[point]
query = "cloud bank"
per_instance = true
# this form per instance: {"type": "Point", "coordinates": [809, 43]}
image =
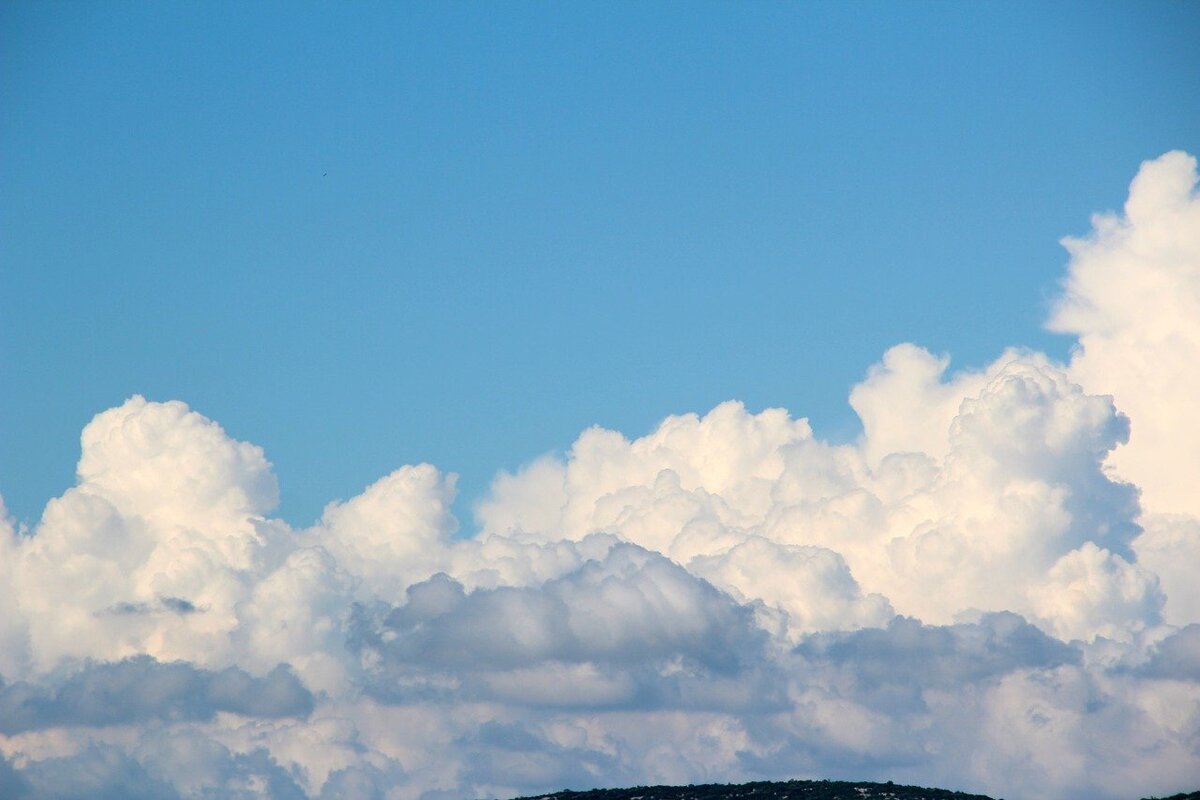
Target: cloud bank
{"type": "Point", "coordinates": [994, 588]}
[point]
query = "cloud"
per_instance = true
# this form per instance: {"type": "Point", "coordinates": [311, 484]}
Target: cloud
{"type": "Point", "coordinates": [630, 630]}
{"type": "Point", "coordinates": [141, 689]}
{"type": "Point", "coordinates": [1017, 486]}
{"type": "Point", "coordinates": [1169, 548]}
{"type": "Point", "coordinates": [909, 658]}
{"type": "Point", "coordinates": [1177, 657]}
{"type": "Point", "coordinates": [993, 588]}
{"type": "Point", "coordinates": [387, 535]}
{"type": "Point", "coordinates": [812, 586]}
{"type": "Point", "coordinates": [1132, 297]}
{"type": "Point", "coordinates": [173, 768]}
{"type": "Point", "coordinates": [100, 773]}
{"type": "Point", "coordinates": [154, 548]}
{"type": "Point", "coordinates": [165, 462]}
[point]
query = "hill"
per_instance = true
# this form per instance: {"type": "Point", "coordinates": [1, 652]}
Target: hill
{"type": "Point", "coordinates": [783, 790]}
{"type": "Point", "coordinates": [767, 790]}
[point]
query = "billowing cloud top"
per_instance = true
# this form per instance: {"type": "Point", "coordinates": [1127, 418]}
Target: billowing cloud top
{"type": "Point", "coordinates": [994, 588]}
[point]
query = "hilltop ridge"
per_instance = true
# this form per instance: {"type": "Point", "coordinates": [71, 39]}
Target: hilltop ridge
{"type": "Point", "coordinates": [768, 790]}
{"type": "Point", "coordinates": [784, 790]}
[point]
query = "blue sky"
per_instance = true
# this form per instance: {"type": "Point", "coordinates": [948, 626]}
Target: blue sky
{"type": "Point", "coordinates": [390, 233]}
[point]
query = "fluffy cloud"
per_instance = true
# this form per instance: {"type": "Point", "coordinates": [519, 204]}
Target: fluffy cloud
{"type": "Point", "coordinates": [1015, 497]}
{"type": "Point", "coordinates": [1132, 296]}
{"type": "Point", "coordinates": [631, 606]}
{"type": "Point", "coordinates": [140, 689]}
{"type": "Point", "coordinates": [993, 588]}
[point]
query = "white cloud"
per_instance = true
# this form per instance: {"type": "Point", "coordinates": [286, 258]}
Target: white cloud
{"type": "Point", "coordinates": [391, 534]}
{"type": "Point", "coordinates": [715, 600]}
{"type": "Point", "coordinates": [1132, 296]}
{"type": "Point", "coordinates": [1169, 548]}
{"type": "Point", "coordinates": [164, 462]}
{"type": "Point", "coordinates": [811, 585]}
{"type": "Point", "coordinates": [1015, 485]}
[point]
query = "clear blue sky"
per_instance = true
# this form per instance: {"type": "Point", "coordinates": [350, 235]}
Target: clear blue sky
{"type": "Point", "coordinates": [369, 235]}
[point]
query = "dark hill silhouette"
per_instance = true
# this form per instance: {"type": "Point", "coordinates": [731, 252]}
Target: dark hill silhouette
{"type": "Point", "coordinates": [783, 790]}
{"type": "Point", "coordinates": [767, 790]}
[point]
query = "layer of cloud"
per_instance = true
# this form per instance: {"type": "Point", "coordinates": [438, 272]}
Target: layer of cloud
{"type": "Point", "coordinates": [141, 689]}
{"type": "Point", "coordinates": [994, 588]}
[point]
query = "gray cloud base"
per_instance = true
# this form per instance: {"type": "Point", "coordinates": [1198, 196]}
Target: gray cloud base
{"type": "Point", "coordinates": [141, 689]}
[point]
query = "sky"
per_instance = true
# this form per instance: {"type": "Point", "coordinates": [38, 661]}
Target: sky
{"type": "Point", "coordinates": [387, 235]}
{"type": "Point", "coordinates": [441, 401]}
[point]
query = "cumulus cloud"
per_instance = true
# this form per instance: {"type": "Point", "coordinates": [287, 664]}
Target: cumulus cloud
{"type": "Point", "coordinates": [1132, 297]}
{"type": "Point", "coordinates": [900, 662]}
{"type": "Point", "coordinates": [993, 588]}
{"type": "Point", "coordinates": [140, 689]}
{"type": "Point", "coordinates": [108, 773]}
{"type": "Point", "coordinates": [1169, 548]}
{"type": "Point", "coordinates": [1018, 486]}
{"type": "Point", "coordinates": [811, 586]}
{"type": "Point", "coordinates": [168, 769]}
{"type": "Point", "coordinates": [632, 606]}
{"type": "Point", "coordinates": [630, 630]}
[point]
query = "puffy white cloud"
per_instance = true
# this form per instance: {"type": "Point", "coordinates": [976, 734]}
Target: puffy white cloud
{"type": "Point", "coordinates": [296, 614]}
{"type": "Point", "coordinates": [1016, 484]}
{"type": "Point", "coordinates": [164, 462]}
{"type": "Point", "coordinates": [155, 547]}
{"type": "Point", "coordinates": [715, 600]}
{"type": "Point", "coordinates": [734, 457]}
{"type": "Point", "coordinates": [906, 405]}
{"type": "Point", "coordinates": [1092, 592]}
{"type": "Point", "coordinates": [811, 585]}
{"type": "Point", "coordinates": [14, 636]}
{"type": "Point", "coordinates": [1169, 548]}
{"type": "Point", "coordinates": [1132, 296]}
{"type": "Point", "coordinates": [392, 531]}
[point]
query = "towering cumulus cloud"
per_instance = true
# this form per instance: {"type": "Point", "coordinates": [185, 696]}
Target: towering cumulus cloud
{"type": "Point", "coordinates": [1132, 296]}
{"type": "Point", "coordinates": [994, 588]}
